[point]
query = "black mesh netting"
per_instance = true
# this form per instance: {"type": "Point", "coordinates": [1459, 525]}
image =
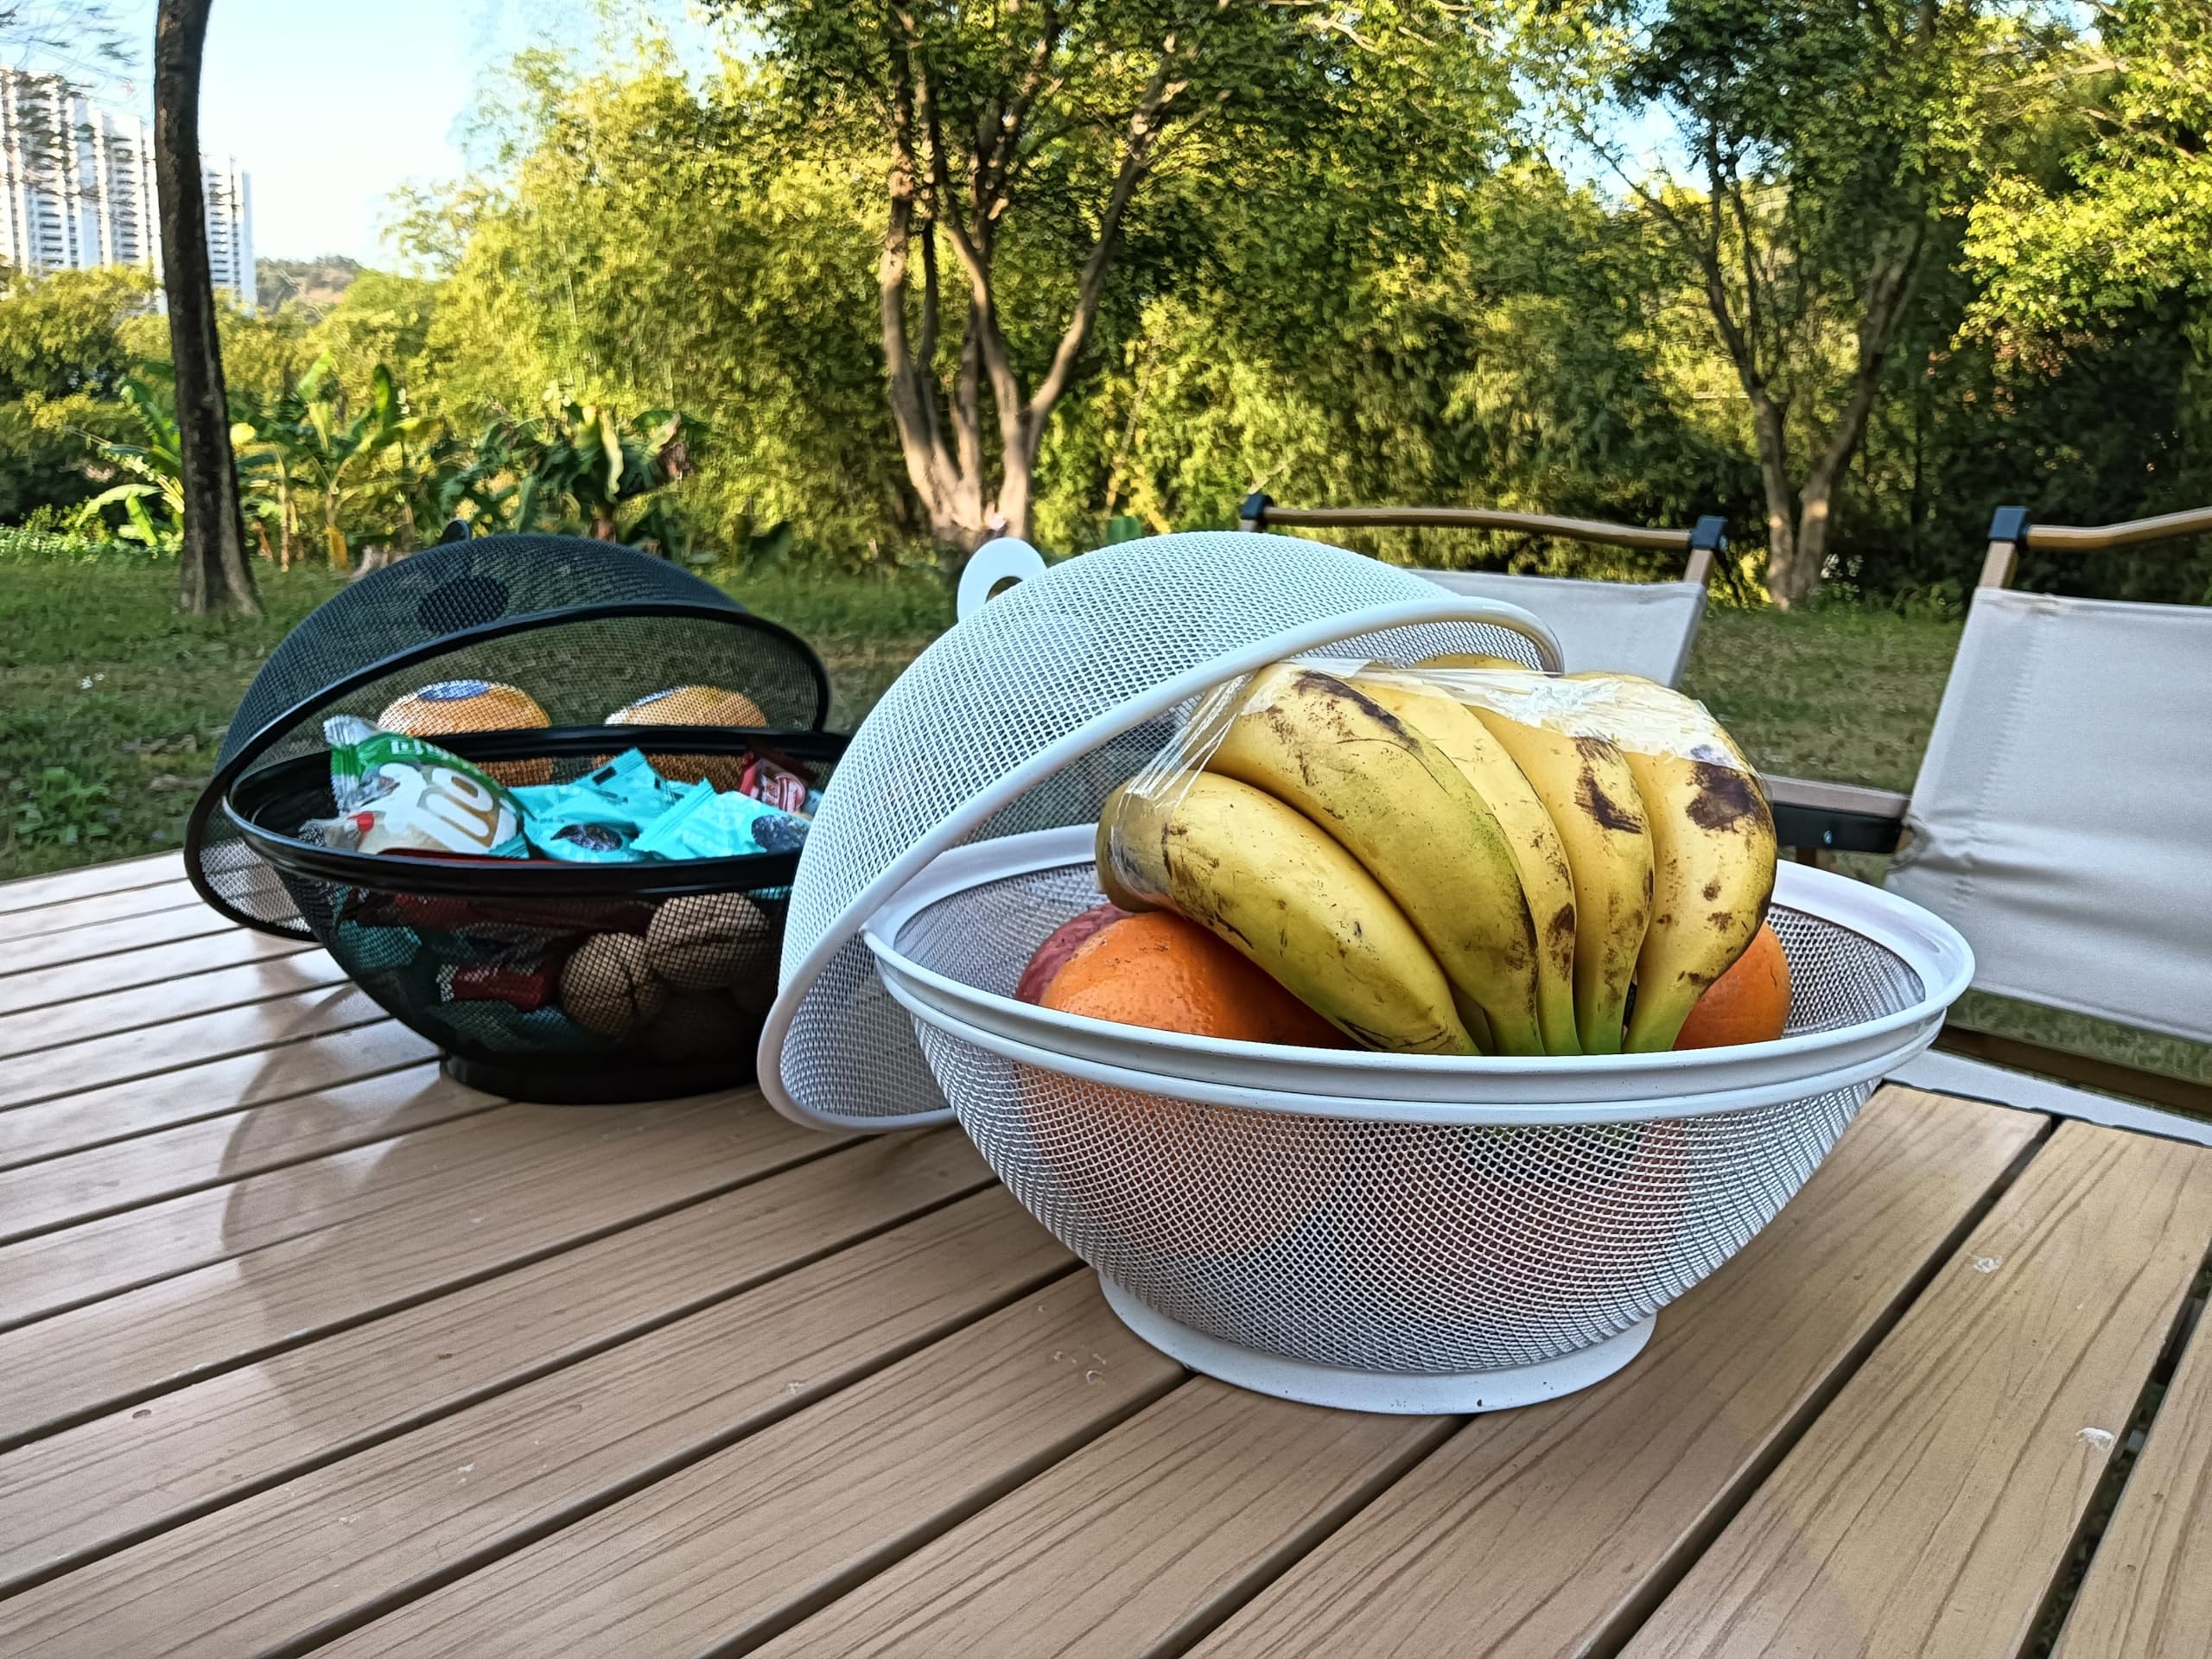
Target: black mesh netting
{"type": "Point", "coordinates": [602, 972]}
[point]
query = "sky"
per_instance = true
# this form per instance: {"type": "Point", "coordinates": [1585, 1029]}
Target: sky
{"type": "Point", "coordinates": [331, 105]}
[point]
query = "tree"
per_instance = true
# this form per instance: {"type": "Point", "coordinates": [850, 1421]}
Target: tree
{"type": "Point", "coordinates": [1809, 149]}
{"type": "Point", "coordinates": [1019, 146]}
{"type": "Point", "coordinates": [2129, 222]}
{"type": "Point", "coordinates": [157, 474]}
{"type": "Point", "coordinates": [213, 574]}
{"type": "Point", "coordinates": [63, 360]}
{"type": "Point", "coordinates": [588, 455]}
{"type": "Point", "coordinates": [335, 450]}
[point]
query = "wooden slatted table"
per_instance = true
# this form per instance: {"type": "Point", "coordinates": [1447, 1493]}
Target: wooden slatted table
{"type": "Point", "coordinates": [304, 1349]}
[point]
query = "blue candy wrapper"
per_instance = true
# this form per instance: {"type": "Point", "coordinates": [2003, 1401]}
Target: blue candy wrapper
{"type": "Point", "coordinates": [597, 818]}
{"type": "Point", "coordinates": [705, 824]}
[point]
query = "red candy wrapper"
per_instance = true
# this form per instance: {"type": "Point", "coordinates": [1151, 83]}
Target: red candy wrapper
{"type": "Point", "coordinates": [523, 986]}
{"type": "Point", "coordinates": [772, 785]}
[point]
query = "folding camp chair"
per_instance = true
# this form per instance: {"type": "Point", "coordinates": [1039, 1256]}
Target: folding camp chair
{"type": "Point", "coordinates": [2060, 823]}
{"type": "Point", "coordinates": [1643, 628]}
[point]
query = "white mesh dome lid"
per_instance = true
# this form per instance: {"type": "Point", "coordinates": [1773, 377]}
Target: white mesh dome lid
{"type": "Point", "coordinates": [1023, 717]}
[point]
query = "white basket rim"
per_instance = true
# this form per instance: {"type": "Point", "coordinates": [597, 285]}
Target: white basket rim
{"type": "Point", "coordinates": [1542, 1087]}
{"type": "Point", "coordinates": [1448, 1114]}
{"type": "Point", "coordinates": [1443, 606]}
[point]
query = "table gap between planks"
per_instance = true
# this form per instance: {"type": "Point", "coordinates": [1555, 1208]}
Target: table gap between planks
{"type": "Point", "coordinates": [304, 1349]}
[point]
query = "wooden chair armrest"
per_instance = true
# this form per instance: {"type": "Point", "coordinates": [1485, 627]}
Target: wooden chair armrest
{"type": "Point", "coordinates": [1836, 817]}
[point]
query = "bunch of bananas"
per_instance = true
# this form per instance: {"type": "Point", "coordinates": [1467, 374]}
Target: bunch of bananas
{"type": "Point", "coordinates": [1468, 858]}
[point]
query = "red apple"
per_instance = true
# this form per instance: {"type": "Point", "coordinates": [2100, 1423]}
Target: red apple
{"type": "Point", "coordinates": [1058, 946]}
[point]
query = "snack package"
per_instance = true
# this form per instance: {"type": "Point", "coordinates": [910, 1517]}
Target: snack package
{"type": "Point", "coordinates": [776, 785]}
{"type": "Point", "coordinates": [708, 824]}
{"type": "Point", "coordinates": [396, 793]}
{"type": "Point", "coordinates": [1461, 857]}
{"type": "Point", "coordinates": [596, 818]}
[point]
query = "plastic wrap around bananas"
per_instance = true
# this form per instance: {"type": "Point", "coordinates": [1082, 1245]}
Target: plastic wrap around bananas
{"type": "Point", "coordinates": [1464, 857]}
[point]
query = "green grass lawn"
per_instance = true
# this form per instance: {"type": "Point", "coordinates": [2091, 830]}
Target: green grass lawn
{"type": "Point", "coordinates": [113, 708]}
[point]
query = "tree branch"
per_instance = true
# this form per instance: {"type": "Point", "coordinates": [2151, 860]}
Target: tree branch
{"type": "Point", "coordinates": [1145, 127]}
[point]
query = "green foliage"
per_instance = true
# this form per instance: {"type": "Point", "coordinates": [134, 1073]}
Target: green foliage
{"type": "Point", "coordinates": [43, 540]}
{"type": "Point", "coordinates": [64, 356]}
{"type": "Point", "coordinates": [1382, 266]}
{"type": "Point", "coordinates": [2127, 221]}
{"type": "Point", "coordinates": [54, 808]}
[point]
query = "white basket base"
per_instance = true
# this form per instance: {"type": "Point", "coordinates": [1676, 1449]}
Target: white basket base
{"type": "Point", "coordinates": [1406, 1393]}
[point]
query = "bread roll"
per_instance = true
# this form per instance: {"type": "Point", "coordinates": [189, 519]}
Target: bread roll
{"type": "Point", "coordinates": [453, 706]}
{"type": "Point", "coordinates": [693, 705]}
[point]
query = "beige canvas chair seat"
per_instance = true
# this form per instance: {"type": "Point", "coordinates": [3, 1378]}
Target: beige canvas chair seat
{"type": "Point", "coordinates": [2060, 819]}
{"type": "Point", "coordinates": [1644, 628]}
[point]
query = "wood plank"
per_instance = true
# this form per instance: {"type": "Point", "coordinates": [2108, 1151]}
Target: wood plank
{"type": "Point", "coordinates": [97, 940]}
{"type": "Point", "coordinates": [742, 1544]}
{"type": "Point", "coordinates": [608, 1168]}
{"type": "Point", "coordinates": [105, 1483]}
{"type": "Point", "coordinates": [1930, 1507]}
{"type": "Point", "coordinates": [31, 891]}
{"type": "Point", "coordinates": [32, 923]}
{"type": "Point", "coordinates": [49, 1272]}
{"type": "Point", "coordinates": [151, 964]}
{"type": "Point", "coordinates": [101, 1017]}
{"type": "Point", "coordinates": [148, 1169]}
{"type": "Point", "coordinates": [1579, 1510]}
{"type": "Point", "coordinates": [218, 1088]}
{"type": "Point", "coordinates": [126, 1056]}
{"type": "Point", "coordinates": [2148, 1594]}
{"type": "Point", "coordinates": [290, 1565]}
{"type": "Point", "coordinates": [1136, 1544]}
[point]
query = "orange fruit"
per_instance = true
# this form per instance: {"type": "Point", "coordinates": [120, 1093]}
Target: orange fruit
{"type": "Point", "coordinates": [1156, 1177]}
{"type": "Point", "coordinates": [1749, 1003]}
{"type": "Point", "coordinates": [1158, 971]}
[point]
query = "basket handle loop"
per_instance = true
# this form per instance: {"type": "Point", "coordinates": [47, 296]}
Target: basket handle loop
{"type": "Point", "coordinates": [1007, 559]}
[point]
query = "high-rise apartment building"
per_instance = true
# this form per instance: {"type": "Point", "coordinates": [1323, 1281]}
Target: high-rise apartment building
{"type": "Point", "coordinates": [77, 190]}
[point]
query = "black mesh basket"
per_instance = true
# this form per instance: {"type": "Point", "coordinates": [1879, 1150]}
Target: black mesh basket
{"type": "Point", "coordinates": [540, 980]}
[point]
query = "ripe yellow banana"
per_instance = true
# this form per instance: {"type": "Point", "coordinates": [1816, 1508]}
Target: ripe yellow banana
{"type": "Point", "coordinates": [1538, 853]}
{"type": "Point", "coordinates": [1473, 659]}
{"type": "Point", "coordinates": [1261, 877]}
{"type": "Point", "coordinates": [1586, 784]}
{"type": "Point", "coordinates": [1399, 805]}
{"type": "Point", "coordinates": [1713, 845]}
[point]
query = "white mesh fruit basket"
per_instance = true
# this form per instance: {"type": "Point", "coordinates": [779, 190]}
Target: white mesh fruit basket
{"type": "Point", "coordinates": [1388, 1232]}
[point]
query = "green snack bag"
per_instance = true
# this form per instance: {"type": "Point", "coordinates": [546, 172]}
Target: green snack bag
{"type": "Point", "coordinates": [404, 794]}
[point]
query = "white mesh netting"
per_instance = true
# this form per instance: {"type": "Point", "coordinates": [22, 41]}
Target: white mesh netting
{"type": "Point", "coordinates": [1383, 1246]}
{"type": "Point", "coordinates": [1035, 666]}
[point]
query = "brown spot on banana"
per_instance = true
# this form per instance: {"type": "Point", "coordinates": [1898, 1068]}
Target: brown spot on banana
{"type": "Point", "coordinates": [1723, 798]}
{"type": "Point", "coordinates": [1590, 795]}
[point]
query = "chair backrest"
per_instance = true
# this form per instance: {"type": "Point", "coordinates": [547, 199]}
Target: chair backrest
{"type": "Point", "coordinates": [2063, 817]}
{"type": "Point", "coordinates": [1643, 628]}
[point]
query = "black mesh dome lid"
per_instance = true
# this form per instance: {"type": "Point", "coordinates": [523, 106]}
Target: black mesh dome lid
{"type": "Point", "coordinates": [585, 627]}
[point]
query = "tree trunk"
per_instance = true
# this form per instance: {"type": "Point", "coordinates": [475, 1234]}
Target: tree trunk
{"type": "Point", "coordinates": [334, 538]}
{"type": "Point", "coordinates": [214, 574]}
{"type": "Point", "coordinates": [411, 538]}
{"type": "Point", "coordinates": [1889, 290]}
{"type": "Point", "coordinates": [1770, 428]}
{"type": "Point", "coordinates": [288, 518]}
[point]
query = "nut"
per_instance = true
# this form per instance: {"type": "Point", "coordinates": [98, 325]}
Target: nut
{"type": "Point", "coordinates": [711, 942]}
{"type": "Point", "coordinates": [605, 987]}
